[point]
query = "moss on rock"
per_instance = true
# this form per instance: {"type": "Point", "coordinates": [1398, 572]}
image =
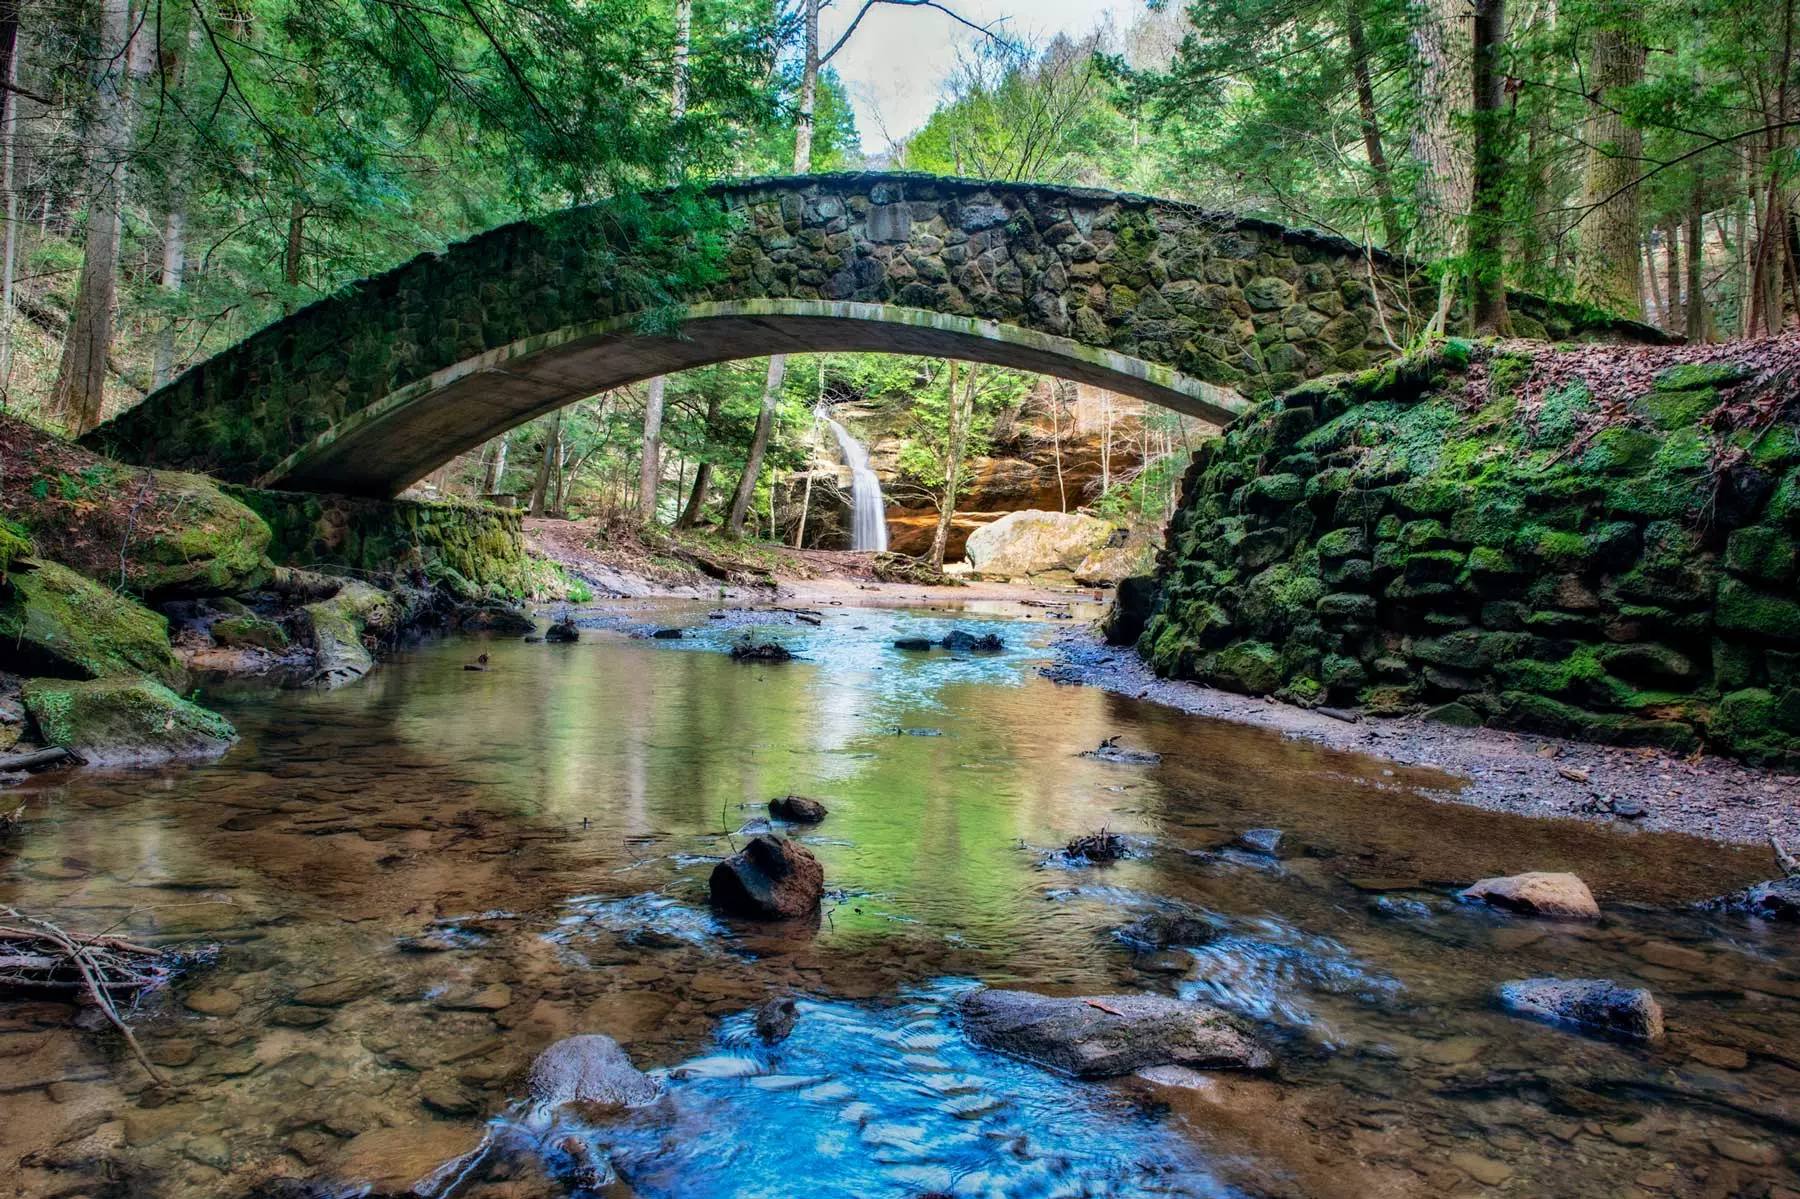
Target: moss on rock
{"type": "Point", "coordinates": [54, 621]}
{"type": "Point", "coordinates": [125, 721]}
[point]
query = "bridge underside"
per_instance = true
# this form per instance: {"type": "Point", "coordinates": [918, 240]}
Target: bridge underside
{"type": "Point", "coordinates": [404, 436]}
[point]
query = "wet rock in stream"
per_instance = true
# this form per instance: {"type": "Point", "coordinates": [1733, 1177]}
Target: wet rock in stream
{"type": "Point", "coordinates": [966, 642]}
{"type": "Point", "coordinates": [776, 1018]}
{"type": "Point", "coordinates": [766, 651]}
{"type": "Point", "coordinates": [1110, 750]}
{"type": "Point", "coordinates": [1778, 900]}
{"type": "Point", "coordinates": [1265, 842]}
{"type": "Point", "coordinates": [1538, 893]}
{"type": "Point", "coordinates": [588, 1069]}
{"type": "Point", "coordinates": [562, 632]}
{"type": "Point", "coordinates": [1167, 930]}
{"type": "Point", "coordinates": [798, 809]}
{"type": "Point", "coordinates": [772, 878]}
{"type": "Point", "coordinates": [412, 1160]}
{"type": "Point", "coordinates": [1105, 1036]}
{"type": "Point", "coordinates": [1593, 1005]}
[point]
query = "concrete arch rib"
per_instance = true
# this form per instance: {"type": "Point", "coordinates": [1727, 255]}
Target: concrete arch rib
{"type": "Point", "coordinates": [406, 434]}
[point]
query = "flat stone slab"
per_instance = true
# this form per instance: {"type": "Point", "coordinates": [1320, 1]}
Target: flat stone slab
{"type": "Point", "coordinates": [1589, 1004]}
{"type": "Point", "coordinates": [1103, 1036]}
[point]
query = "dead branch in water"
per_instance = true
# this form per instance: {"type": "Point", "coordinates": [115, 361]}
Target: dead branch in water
{"type": "Point", "coordinates": [1789, 863]}
{"type": "Point", "coordinates": [10, 821]}
{"type": "Point", "coordinates": [37, 955]}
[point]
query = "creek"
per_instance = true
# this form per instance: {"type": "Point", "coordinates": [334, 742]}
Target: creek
{"type": "Point", "coordinates": [420, 881]}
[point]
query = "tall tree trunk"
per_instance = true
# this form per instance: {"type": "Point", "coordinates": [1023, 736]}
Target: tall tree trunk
{"type": "Point", "coordinates": [80, 389]}
{"type": "Point", "coordinates": [1649, 286]}
{"type": "Point", "coordinates": [759, 445]}
{"type": "Point", "coordinates": [1487, 217]}
{"type": "Point", "coordinates": [1062, 492]}
{"type": "Point", "coordinates": [174, 266]}
{"type": "Point", "coordinates": [1699, 319]}
{"type": "Point", "coordinates": [552, 446]}
{"type": "Point", "coordinates": [690, 516]}
{"type": "Point", "coordinates": [496, 467]}
{"type": "Point", "coordinates": [809, 92]}
{"type": "Point", "coordinates": [175, 58]}
{"type": "Point", "coordinates": [9, 126]}
{"type": "Point", "coordinates": [650, 465]}
{"type": "Point", "coordinates": [1672, 278]}
{"type": "Point", "coordinates": [293, 255]}
{"type": "Point", "coordinates": [1606, 270]}
{"type": "Point", "coordinates": [956, 439]}
{"type": "Point", "coordinates": [1371, 128]}
{"type": "Point", "coordinates": [1444, 177]}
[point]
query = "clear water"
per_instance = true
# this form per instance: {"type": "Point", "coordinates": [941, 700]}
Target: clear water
{"type": "Point", "coordinates": [868, 524]}
{"type": "Point", "coordinates": [547, 827]}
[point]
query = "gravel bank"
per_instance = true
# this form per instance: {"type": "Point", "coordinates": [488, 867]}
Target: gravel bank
{"type": "Point", "coordinates": [1511, 772]}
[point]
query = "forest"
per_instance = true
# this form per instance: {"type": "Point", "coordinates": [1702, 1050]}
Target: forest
{"type": "Point", "coordinates": [177, 175]}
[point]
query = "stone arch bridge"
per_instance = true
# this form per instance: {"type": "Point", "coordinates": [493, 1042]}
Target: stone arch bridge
{"type": "Point", "coordinates": [376, 386]}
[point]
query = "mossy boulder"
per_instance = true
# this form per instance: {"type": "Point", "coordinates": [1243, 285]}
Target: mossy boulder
{"type": "Point", "coordinates": [341, 628]}
{"type": "Point", "coordinates": [125, 721]}
{"type": "Point", "coordinates": [15, 543]}
{"type": "Point", "coordinates": [208, 544]}
{"type": "Point", "coordinates": [54, 621]}
{"type": "Point", "coordinates": [249, 631]}
{"type": "Point", "coordinates": [1251, 667]}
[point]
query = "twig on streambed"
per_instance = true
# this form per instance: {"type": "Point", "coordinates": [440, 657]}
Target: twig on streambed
{"type": "Point", "coordinates": [1789, 863]}
{"type": "Point", "coordinates": [36, 954]}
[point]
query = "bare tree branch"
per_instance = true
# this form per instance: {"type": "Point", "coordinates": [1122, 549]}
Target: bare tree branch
{"type": "Point", "coordinates": [984, 30]}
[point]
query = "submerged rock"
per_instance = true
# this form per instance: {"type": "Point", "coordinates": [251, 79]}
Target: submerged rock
{"type": "Point", "coordinates": [766, 651]}
{"type": "Point", "coordinates": [1597, 1005]}
{"type": "Point", "coordinates": [125, 721]}
{"type": "Point", "coordinates": [589, 1069]}
{"type": "Point", "coordinates": [1538, 893]}
{"type": "Point", "coordinates": [776, 1018]}
{"type": "Point", "coordinates": [1108, 1035]}
{"type": "Point", "coordinates": [773, 878]}
{"type": "Point", "coordinates": [417, 1161]}
{"type": "Point", "coordinates": [1165, 930]}
{"type": "Point", "coordinates": [914, 644]}
{"type": "Point", "coordinates": [1263, 841]}
{"type": "Point", "coordinates": [1110, 750]}
{"type": "Point", "coordinates": [987, 643]}
{"type": "Point", "coordinates": [798, 809]}
{"type": "Point", "coordinates": [562, 632]}
{"type": "Point", "coordinates": [1778, 899]}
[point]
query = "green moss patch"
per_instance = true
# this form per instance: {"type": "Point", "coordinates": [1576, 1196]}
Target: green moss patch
{"type": "Point", "coordinates": [54, 621]}
{"type": "Point", "coordinates": [125, 721]}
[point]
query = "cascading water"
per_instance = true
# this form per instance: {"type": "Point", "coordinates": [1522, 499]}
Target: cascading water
{"type": "Point", "coordinates": [868, 529]}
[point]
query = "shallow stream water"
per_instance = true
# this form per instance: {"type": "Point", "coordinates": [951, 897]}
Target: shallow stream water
{"type": "Point", "coordinates": [420, 881]}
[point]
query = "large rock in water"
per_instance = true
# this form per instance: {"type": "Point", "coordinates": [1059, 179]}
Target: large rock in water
{"type": "Point", "coordinates": [772, 879]}
{"type": "Point", "coordinates": [418, 1161]}
{"type": "Point", "coordinates": [125, 721]}
{"type": "Point", "coordinates": [1778, 899]}
{"type": "Point", "coordinates": [1596, 1005]}
{"type": "Point", "coordinates": [1107, 1035]}
{"type": "Point", "coordinates": [1539, 893]}
{"type": "Point", "coordinates": [588, 1069]}
{"type": "Point", "coordinates": [54, 621]}
{"type": "Point", "coordinates": [1031, 542]}
{"type": "Point", "coordinates": [338, 625]}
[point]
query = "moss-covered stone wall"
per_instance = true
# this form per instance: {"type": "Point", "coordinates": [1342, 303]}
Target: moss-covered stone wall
{"type": "Point", "coordinates": [1441, 536]}
{"type": "Point", "coordinates": [473, 551]}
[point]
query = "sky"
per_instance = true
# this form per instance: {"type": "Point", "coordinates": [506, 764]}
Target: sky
{"type": "Point", "coordinates": [896, 65]}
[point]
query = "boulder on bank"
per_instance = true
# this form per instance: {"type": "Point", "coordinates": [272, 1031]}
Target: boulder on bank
{"type": "Point", "coordinates": [1030, 542]}
{"type": "Point", "coordinates": [773, 878]}
{"type": "Point", "coordinates": [1553, 896]}
{"type": "Point", "coordinates": [1104, 1036]}
{"type": "Point", "coordinates": [589, 1069]}
{"type": "Point", "coordinates": [54, 621]}
{"type": "Point", "coordinates": [1777, 900]}
{"type": "Point", "coordinates": [125, 721]}
{"type": "Point", "coordinates": [798, 809]}
{"type": "Point", "coordinates": [1594, 1005]}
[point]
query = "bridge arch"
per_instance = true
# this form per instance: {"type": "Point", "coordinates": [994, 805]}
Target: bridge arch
{"type": "Point", "coordinates": [372, 388]}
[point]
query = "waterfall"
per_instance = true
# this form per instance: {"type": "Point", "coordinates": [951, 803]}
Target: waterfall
{"type": "Point", "coordinates": [868, 531]}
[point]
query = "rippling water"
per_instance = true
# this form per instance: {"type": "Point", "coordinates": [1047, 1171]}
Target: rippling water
{"type": "Point", "coordinates": [422, 880]}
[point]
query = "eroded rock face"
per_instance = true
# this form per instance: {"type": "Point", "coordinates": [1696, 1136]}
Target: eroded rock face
{"type": "Point", "coordinates": [1026, 543]}
{"type": "Point", "coordinates": [1537, 893]}
{"type": "Point", "coordinates": [339, 626]}
{"type": "Point", "coordinates": [773, 878]}
{"type": "Point", "coordinates": [1778, 899]}
{"type": "Point", "coordinates": [125, 721]}
{"type": "Point", "coordinates": [1108, 1035]}
{"type": "Point", "coordinates": [1593, 1005]}
{"type": "Point", "coordinates": [589, 1069]}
